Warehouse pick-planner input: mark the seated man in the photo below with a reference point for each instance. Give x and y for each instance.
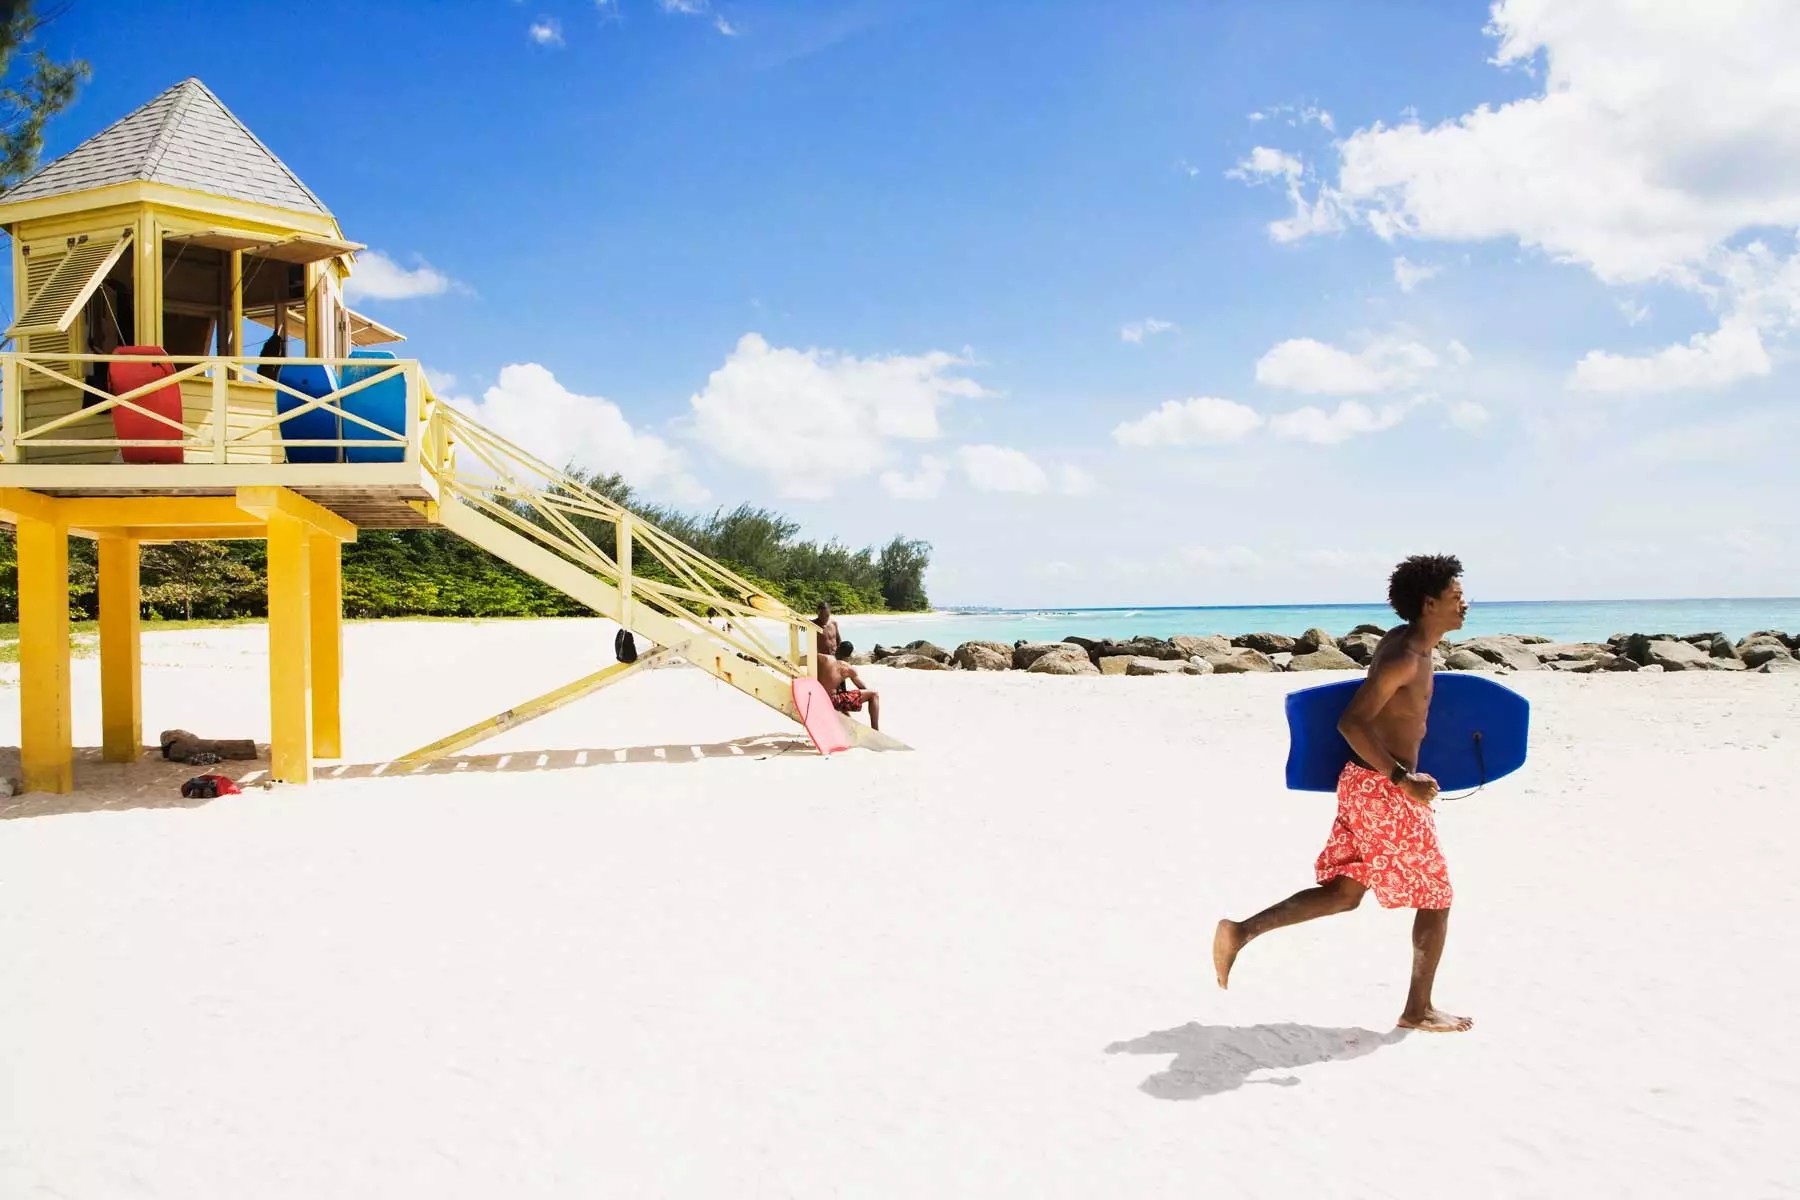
(838, 675)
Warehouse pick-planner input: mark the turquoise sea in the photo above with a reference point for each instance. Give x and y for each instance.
(1563, 620)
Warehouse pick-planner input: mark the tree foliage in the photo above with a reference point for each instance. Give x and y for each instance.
(434, 573)
(31, 92)
(196, 574)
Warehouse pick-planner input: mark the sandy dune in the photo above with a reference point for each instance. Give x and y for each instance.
(652, 946)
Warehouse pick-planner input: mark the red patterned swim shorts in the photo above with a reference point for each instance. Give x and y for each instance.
(847, 701)
(1385, 841)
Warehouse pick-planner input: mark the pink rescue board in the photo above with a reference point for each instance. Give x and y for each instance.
(823, 724)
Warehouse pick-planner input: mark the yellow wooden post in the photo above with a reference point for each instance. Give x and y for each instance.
(624, 559)
(121, 658)
(12, 408)
(46, 750)
(290, 658)
(234, 306)
(327, 603)
(147, 282)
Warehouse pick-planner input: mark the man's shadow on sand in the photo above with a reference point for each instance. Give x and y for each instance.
(1210, 1059)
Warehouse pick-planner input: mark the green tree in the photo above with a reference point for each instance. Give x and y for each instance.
(190, 573)
(31, 93)
(902, 565)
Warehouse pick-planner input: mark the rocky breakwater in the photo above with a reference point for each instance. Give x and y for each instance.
(1765, 653)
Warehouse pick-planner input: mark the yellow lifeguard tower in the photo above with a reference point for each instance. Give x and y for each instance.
(145, 261)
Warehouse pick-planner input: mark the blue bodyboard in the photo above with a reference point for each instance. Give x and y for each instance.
(383, 403)
(318, 424)
(1476, 733)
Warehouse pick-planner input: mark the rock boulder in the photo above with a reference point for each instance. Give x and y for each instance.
(1158, 666)
(1264, 643)
(983, 656)
(1069, 660)
(914, 662)
(1241, 661)
(929, 650)
(1312, 640)
(1190, 646)
(1503, 652)
(1326, 658)
(1761, 654)
(1676, 656)
(1464, 659)
(1025, 654)
(1360, 646)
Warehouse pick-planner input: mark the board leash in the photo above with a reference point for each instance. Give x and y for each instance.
(1481, 765)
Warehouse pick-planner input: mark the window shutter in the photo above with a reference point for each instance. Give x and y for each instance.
(68, 279)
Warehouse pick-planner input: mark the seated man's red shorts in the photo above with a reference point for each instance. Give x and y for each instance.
(1386, 841)
(847, 701)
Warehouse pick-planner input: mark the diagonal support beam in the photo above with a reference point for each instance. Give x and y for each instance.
(538, 706)
(264, 502)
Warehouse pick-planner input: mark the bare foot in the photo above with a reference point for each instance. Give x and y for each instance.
(1433, 1021)
(1228, 939)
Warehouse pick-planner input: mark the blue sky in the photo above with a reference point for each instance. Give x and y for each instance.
(1156, 303)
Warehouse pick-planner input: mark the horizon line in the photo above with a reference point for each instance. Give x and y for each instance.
(1098, 608)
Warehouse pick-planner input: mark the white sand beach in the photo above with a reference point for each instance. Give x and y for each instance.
(652, 945)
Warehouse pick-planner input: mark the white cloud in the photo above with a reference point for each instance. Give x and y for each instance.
(1410, 275)
(814, 419)
(1265, 163)
(1315, 368)
(546, 31)
(1459, 353)
(1074, 481)
(529, 407)
(1634, 312)
(925, 484)
(1298, 115)
(1002, 469)
(1137, 331)
(699, 8)
(1350, 418)
(375, 276)
(442, 383)
(1466, 414)
(1732, 352)
(1661, 131)
(1200, 421)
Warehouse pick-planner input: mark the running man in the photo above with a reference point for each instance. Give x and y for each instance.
(1384, 839)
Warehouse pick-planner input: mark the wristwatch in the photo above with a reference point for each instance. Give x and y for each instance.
(1399, 773)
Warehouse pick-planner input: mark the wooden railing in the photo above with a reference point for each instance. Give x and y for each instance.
(230, 411)
(230, 414)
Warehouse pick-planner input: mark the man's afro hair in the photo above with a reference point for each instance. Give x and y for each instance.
(1418, 578)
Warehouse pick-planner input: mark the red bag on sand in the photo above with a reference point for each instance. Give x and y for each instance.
(205, 787)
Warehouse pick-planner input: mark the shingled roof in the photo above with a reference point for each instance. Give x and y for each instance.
(185, 138)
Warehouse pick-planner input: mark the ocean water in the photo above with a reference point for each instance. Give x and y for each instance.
(1565, 621)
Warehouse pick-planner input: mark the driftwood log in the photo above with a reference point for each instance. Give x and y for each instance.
(179, 745)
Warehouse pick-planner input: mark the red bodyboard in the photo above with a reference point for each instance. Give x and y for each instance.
(164, 401)
(823, 724)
